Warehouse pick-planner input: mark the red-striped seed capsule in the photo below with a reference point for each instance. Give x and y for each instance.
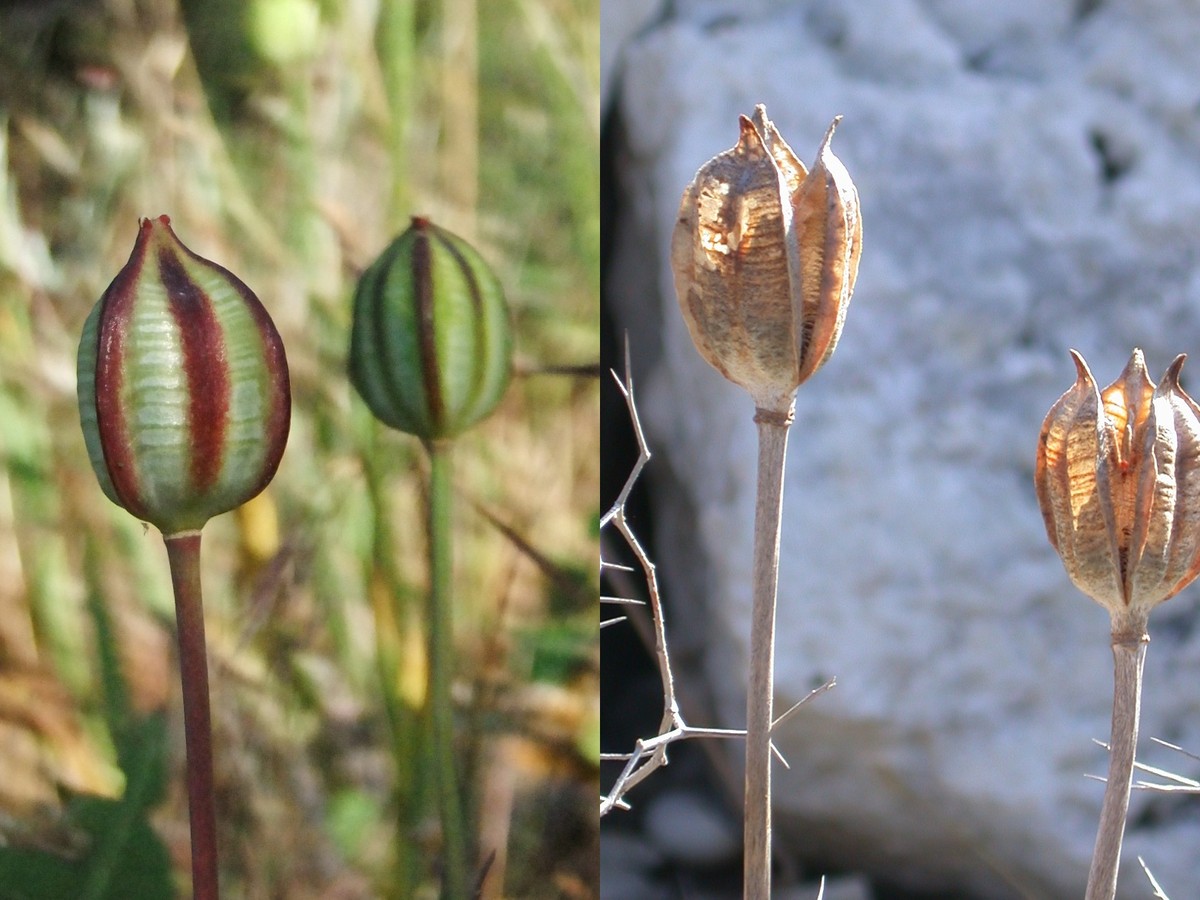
(182, 385)
(431, 344)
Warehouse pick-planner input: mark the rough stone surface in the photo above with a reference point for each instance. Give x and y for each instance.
(620, 21)
(1030, 182)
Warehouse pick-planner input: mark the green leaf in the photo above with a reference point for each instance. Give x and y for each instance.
(124, 857)
(37, 875)
(559, 649)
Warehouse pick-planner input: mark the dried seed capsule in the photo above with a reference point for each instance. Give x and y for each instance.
(431, 345)
(182, 386)
(1118, 481)
(765, 256)
(828, 235)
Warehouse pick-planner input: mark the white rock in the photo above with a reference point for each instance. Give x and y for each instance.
(620, 20)
(1012, 210)
(687, 828)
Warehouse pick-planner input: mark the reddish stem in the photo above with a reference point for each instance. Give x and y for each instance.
(183, 551)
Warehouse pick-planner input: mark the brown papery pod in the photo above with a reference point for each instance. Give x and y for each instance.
(765, 255)
(1166, 538)
(829, 239)
(1118, 481)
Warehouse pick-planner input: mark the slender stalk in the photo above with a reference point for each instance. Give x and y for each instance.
(389, 605)
(396, 47)
(455, 877)
(183, 551)
(458, 152)
(1129, 655)
(772, 449)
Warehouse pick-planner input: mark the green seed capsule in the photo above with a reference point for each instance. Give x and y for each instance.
(182, 385)
(431, 345)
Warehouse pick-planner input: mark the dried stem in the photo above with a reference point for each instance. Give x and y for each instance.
(183, 552)
(1129, 654)
(772, 450)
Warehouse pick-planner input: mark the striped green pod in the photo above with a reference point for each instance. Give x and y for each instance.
(182, 385)
(431, 343)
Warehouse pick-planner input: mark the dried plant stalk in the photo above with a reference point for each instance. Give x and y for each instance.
(772, 450)
(1129, 655)
(765, 255)
(1118, 481)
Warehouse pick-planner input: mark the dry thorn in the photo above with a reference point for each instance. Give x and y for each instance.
(1158, 891)
(1182, 784)
(831, 683)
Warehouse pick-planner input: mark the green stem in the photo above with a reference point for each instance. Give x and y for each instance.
(441, 671)
(183, 551)
(772, 450)
(395, 45)
(403, 721)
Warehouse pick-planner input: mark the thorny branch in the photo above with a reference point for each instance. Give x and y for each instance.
(1171, 783)
(648, 754)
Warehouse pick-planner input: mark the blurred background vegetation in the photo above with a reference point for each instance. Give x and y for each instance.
(290, 140)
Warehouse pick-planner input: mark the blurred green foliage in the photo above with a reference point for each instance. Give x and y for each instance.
(290, 140)
(114, 852)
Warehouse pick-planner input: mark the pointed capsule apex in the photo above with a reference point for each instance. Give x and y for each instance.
(1081, 366)
(1171, 376)
(1136, 365)
(825, 141)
